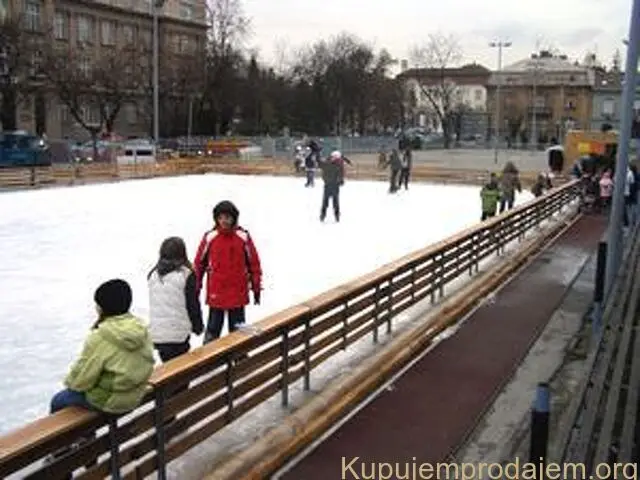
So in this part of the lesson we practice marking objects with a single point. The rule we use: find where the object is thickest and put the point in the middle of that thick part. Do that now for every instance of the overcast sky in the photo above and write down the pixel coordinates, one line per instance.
(572, 26)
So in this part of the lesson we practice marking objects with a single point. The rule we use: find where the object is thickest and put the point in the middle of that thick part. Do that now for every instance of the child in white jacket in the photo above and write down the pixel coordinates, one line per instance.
(174, 307)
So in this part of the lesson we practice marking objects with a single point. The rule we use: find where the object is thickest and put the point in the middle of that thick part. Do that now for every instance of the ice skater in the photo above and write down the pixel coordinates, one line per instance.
(333, 178)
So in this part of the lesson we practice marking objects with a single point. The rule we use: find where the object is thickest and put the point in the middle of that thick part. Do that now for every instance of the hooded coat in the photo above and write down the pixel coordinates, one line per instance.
(230, 260)
(115, 364)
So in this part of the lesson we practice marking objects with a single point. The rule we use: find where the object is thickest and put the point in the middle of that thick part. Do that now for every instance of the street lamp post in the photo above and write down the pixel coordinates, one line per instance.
(534, 113)
(157, 5)
(614, 234)
(496, 135)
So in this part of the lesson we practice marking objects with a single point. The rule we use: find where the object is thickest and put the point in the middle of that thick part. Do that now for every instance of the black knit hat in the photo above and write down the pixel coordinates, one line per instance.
(113, 297)
(226, 207)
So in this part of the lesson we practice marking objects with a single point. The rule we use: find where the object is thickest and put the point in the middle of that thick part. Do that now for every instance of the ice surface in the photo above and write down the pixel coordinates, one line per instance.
(57, 245)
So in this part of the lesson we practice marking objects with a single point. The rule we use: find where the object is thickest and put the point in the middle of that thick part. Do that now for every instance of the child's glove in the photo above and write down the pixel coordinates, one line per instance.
(256, 298)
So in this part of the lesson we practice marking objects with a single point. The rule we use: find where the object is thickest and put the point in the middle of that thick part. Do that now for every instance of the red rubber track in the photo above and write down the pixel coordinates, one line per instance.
(432, 407)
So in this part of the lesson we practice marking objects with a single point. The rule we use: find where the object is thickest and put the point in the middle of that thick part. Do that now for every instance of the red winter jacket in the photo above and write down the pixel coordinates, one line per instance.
(231, 262)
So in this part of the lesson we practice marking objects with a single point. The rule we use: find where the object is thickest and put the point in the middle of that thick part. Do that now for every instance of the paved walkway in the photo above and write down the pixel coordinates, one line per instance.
(430, 410)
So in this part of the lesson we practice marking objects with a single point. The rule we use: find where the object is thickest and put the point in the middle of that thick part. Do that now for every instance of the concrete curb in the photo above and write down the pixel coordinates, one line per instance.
(268, 453)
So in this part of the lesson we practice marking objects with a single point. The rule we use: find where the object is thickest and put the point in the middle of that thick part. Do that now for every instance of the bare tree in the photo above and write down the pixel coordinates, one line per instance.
(229, 28)
(94, 89)
(438, 54)
(184, 82)
(20, 62)
(283, 59)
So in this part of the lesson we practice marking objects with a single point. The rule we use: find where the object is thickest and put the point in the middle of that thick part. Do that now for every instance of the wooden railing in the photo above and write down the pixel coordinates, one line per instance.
(25, 177)
(66, 174)
(234, 374)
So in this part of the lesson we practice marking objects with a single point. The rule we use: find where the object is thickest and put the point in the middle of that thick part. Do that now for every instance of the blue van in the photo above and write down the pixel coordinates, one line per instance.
(21, 149)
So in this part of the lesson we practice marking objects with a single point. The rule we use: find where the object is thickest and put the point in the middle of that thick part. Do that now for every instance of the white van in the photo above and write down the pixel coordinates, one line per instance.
(136, 152)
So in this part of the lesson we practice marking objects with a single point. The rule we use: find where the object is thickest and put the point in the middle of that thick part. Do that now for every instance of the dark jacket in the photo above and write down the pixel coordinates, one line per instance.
(314, 146)
(407, 159)
(394, 161)
(331, 173)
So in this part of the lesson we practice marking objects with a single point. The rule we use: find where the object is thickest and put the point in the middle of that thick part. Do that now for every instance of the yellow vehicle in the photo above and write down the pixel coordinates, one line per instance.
(578, 143)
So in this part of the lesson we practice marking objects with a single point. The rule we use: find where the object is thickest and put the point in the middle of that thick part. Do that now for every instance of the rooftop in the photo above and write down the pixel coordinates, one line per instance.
(549, 64)
(468, 70)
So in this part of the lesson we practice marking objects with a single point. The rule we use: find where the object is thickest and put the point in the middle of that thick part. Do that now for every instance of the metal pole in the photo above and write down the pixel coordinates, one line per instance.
(500, 44)
(497, 119)
(189, 124)
(598, 293)
(534, 113)
(614, 234)
(156, 95)
(540, 426)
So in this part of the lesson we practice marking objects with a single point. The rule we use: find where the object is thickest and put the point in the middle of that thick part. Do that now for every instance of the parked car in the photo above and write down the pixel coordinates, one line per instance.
(22, 149)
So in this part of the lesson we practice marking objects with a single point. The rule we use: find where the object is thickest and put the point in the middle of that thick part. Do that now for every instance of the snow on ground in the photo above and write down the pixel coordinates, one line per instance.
(58, 244)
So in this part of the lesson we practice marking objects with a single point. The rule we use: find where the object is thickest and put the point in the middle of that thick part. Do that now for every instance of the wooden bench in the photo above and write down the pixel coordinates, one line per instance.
(600, 429)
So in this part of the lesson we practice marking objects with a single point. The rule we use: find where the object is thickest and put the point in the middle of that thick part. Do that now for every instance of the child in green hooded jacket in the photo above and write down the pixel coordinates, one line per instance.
(116, 362)
(490, 196)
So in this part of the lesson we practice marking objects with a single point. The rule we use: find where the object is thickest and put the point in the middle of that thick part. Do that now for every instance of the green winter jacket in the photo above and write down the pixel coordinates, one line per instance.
(490, 195)
(115, 364)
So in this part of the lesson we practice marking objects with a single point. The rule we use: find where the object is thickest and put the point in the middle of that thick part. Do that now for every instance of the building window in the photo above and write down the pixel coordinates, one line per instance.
(608, 107)
(181, 44)
(186, 10)
(478, 95)
(4, 61)
(539, 102)
(36, 63)
(128, 36)
(90, 115)
(63, 112)
(145, 37)
(61, 25)
(108, 32)
(85, 29)
(32, 13)
(131, 113)
(84, 65)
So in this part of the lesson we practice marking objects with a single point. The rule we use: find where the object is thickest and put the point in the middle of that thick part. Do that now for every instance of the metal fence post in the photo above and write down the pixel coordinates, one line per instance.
(390, 310)
(540, 426)
(441, 280)
(413, 283)
(158, 416)
(472, 255)
(307, 353)
(598, 294)
(229, 388)
(114, 448)
(376, 316)
(345, 324)
(285, 367)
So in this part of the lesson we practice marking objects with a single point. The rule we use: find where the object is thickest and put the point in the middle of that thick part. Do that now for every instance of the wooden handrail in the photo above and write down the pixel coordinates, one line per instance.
(193, 396)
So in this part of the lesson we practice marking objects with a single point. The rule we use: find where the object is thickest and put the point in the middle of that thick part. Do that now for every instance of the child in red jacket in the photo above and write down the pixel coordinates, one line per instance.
(230, 259)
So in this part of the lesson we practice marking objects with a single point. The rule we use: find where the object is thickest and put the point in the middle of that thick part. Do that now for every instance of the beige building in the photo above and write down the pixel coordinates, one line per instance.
(94, 27)
(545, 94)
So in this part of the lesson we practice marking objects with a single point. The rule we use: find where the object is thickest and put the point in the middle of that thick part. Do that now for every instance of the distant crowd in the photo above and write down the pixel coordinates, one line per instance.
(598, 184)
